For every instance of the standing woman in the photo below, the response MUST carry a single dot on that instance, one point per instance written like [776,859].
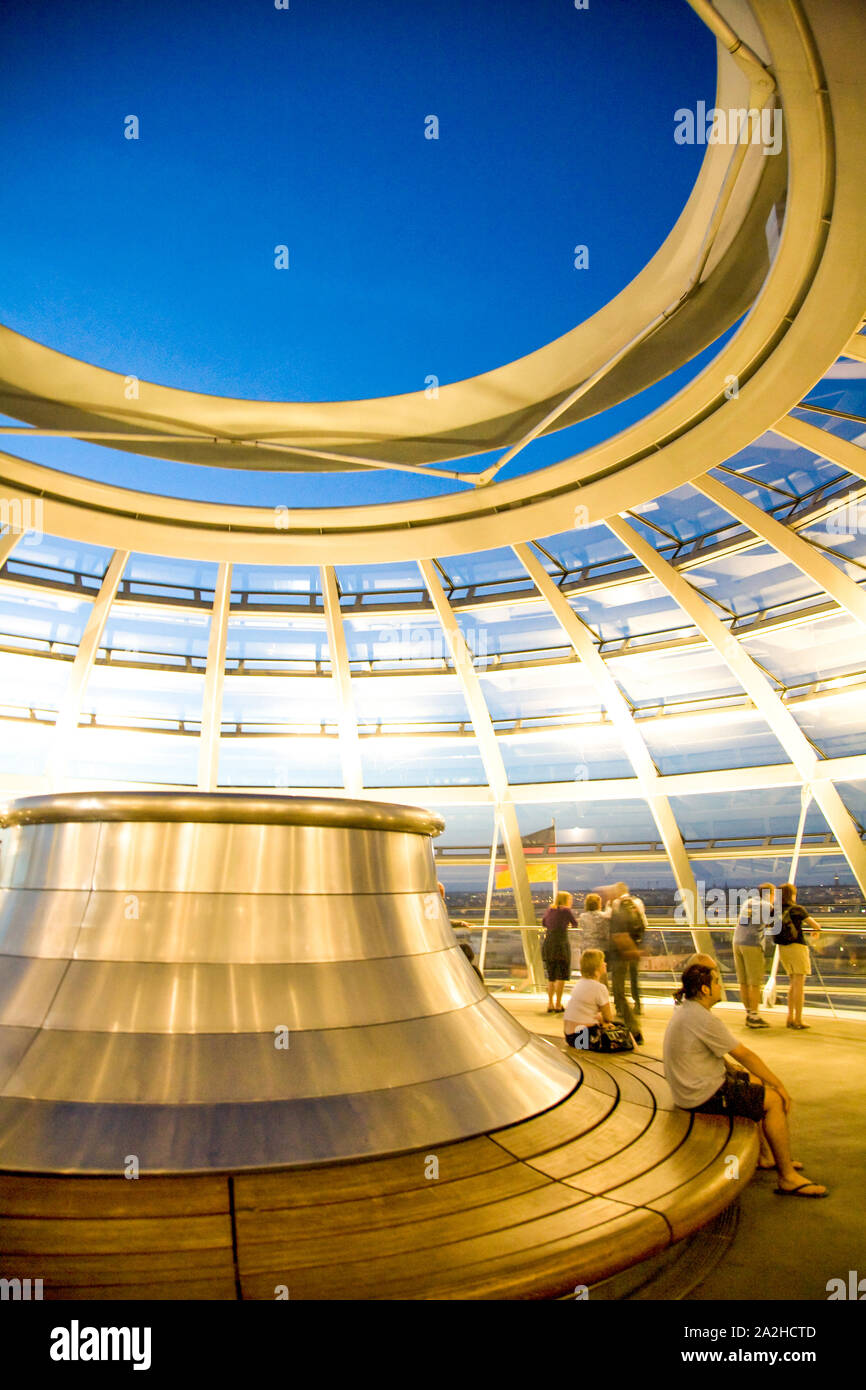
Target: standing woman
[794,953]
[556,951]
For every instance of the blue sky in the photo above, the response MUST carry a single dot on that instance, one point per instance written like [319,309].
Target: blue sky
[305,127]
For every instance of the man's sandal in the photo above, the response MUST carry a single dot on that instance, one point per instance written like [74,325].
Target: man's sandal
[800,1191]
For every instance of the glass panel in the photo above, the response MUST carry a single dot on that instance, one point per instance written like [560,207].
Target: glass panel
[584,546]
[591,823]
[418,640]
[703,742]
[381,579]
[501,628]
[24,751]
[754,814]
[55,553]
[753,581]
[466,827]
[31,681]
[42,618]
[110,756]
[548,690]
[779,464]
[280,700]
[465,894]
[165,578]
[283,762]
[131,629]
[121,695]
[411,700]
[405,762]
[631,610]
[854,796]
[843,530]
[485,567]
[272,582]
[812,651]
[834,723]
[685,513]
[664,678]
[568,755]
[269,641]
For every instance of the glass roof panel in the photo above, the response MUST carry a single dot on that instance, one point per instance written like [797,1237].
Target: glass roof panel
[834,723]
[24,749]
[162,577]
[416,640]
[130,629]
[122,694]
[843,531]
[852,430]
[268,639]
[485,567]
[379,579]
[422,762]
[40,618]
[749,813]
[684,513]
[664,678]
[854,796]
[753,581]
[586,546]
[623,821]
[280,762]
[291,700]
[703,742]
[469,827]
[53,552]
[631,610]
[116,756]
[418,700]
[31,682]
[582,754]
[817,650]
[546,690]
[509,628]
[782,469]
[275,581]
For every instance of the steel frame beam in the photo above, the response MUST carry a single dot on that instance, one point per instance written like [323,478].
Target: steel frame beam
[212,701]
[69,711]
[494,767]
[807,559]
[636,749]
[350,743]
[756,685]
[826,445]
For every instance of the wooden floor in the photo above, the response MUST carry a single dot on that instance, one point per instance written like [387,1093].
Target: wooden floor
[612,1175]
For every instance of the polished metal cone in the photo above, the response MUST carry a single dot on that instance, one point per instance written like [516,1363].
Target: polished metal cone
[208,982]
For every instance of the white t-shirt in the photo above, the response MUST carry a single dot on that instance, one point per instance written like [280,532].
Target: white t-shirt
[695,1043]
[587,997]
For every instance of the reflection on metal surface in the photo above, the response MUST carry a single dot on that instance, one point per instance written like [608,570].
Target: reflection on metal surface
[234,982]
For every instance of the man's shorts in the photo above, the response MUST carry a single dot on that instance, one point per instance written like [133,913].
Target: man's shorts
[795,959]
[557,967]
[749,961]
[736,1096]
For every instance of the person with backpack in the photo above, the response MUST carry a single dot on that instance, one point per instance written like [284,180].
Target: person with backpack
[627,930]
[794,953]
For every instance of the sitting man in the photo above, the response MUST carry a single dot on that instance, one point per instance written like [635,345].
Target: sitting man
[589,1005]
[702,1081]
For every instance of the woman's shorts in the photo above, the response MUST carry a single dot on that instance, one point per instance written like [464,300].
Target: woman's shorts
[736,1096]
[795,959]
[749,961]
[557,967]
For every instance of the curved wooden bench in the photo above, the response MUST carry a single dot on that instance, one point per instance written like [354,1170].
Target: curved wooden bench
[610,1176]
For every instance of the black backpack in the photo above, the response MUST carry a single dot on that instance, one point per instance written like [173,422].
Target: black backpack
[787,934]
[626,918]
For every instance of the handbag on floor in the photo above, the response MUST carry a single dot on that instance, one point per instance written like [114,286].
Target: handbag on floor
[613,1037]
